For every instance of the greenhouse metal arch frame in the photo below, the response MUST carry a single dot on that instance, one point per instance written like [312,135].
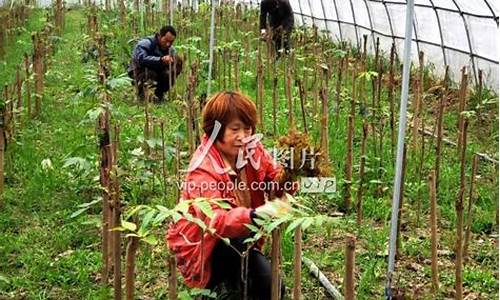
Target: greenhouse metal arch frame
[450,32]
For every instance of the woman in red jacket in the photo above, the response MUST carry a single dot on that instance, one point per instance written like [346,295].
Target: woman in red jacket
[230,165]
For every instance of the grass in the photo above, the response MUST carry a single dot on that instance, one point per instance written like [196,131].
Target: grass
[47,254]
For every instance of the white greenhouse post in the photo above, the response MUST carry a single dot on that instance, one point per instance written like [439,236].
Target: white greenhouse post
[401,138]
[211,47]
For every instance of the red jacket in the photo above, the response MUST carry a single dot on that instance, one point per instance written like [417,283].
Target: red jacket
[184,237]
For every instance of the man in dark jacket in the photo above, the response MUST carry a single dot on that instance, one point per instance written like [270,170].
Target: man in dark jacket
[280,15]
[155,60]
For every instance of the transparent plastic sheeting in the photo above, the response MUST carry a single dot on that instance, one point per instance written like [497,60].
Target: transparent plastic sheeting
[450,32]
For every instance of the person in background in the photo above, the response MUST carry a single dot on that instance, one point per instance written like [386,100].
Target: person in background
[155,60]
[279,14]
[229,166]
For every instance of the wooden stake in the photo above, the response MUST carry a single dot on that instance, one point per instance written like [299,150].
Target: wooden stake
[480,94]
[324,114]
[106,161]
[439,125]
[418,100]
[132,245]
[459,207]
[401,198]
[348,165]
[338,89]
[27,84]
[434,238]
[275,264]
[297,263]
[275,103]
[260,89]
[359,202]
[462,94]
[116,220]
[2,154]
[350,248]
[19,85]
[302,105]
[288,91]
[470,207]
[390,97]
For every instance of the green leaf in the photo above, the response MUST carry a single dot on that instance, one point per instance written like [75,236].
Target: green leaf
[176,216]
[275,224]
[184,295]
[78,212]
[183,206]
[4,278]
[252,228]
[88,204]
[134,210]
[222,204]
[205,208]
[150,239]
[294,225]
[226,241]
[129,225]
[147,218]
[132,235]
[161,217]
[307,222]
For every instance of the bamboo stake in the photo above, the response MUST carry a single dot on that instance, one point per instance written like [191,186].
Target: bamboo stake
[349,268]
[470,207]
[297,263]
[359,205]
[434,238]
[459,207]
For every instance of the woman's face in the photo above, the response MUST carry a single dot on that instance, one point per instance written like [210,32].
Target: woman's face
[232,141]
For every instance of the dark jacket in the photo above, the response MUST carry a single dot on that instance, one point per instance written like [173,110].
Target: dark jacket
[147,54]
[280,14]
